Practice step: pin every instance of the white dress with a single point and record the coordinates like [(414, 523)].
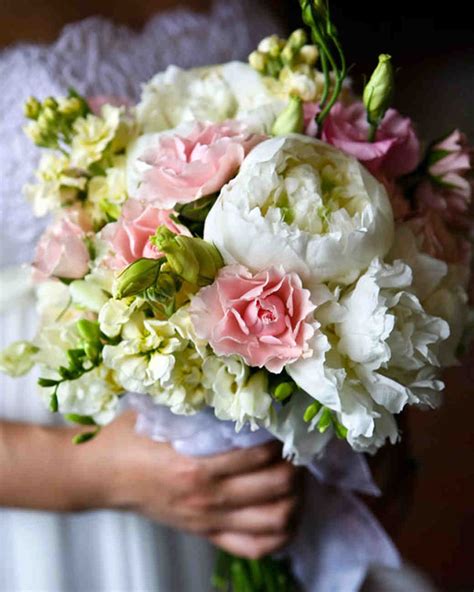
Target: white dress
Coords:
[(100, 551)]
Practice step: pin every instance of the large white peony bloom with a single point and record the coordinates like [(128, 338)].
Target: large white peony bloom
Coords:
[(214, 93), (302, 204), (380, 354)]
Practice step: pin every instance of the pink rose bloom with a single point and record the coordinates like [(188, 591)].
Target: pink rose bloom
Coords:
[(396, 150), (447, 189), (438, 241), (61, 252), (265, 318), (185, 168), (128, 238)]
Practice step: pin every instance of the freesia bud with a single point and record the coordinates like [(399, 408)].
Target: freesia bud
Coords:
[(378, 92), (258, 61), (308, 54), (192, 259), (50, 103), (137, 277), (32, 108), (271, 45), (295, 42), (291, 119)]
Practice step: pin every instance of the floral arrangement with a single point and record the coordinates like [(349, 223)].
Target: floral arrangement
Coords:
[(252, 239)]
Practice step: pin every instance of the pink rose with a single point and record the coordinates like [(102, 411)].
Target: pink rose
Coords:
[(128, 238), (396, 150), (438, 241), (61, 251), (265, 318), (447, 189), (185, 168)]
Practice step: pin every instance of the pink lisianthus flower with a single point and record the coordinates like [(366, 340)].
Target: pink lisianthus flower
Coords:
[(61, 251), (395, 151), (97, 102), (447, 189), (437, 240), (129, 237), (265, 318), (185, 168)]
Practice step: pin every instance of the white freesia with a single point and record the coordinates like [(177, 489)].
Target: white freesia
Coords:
[(213, 93), (94, 394), (154, 358), (235, 393), (303, 204), (58, 184), (107, 193)]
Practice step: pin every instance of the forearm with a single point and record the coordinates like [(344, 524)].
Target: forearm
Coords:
[(40, 468)]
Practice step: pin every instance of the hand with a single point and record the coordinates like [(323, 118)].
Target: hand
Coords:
[(244, 501)]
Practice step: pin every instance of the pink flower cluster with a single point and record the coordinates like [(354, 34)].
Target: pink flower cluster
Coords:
[(185, 168), (265, 318), (447, 189), (128, 238)]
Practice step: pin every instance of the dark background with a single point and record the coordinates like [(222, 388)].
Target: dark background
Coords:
[(432, 48)]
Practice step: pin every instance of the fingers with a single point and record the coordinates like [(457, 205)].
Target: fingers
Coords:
[(260, 487), (249, 546), (276, 517), (244, 460)]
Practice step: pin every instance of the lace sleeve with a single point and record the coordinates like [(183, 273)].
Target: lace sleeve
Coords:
[(97, 57)]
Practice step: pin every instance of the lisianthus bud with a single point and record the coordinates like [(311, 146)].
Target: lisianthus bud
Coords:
[(32, 108), (137, 277), (378, 91), (291, 119), (192, 259)]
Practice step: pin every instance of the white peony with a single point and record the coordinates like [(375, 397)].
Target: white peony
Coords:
[(379, 354), (235, 393), (212, 93), (303, 204)]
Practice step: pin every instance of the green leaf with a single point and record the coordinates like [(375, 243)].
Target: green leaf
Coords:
[(85, 437), (80, 419), (47, 382)]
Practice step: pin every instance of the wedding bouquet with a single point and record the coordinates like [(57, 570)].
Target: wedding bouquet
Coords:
[(252, 246)]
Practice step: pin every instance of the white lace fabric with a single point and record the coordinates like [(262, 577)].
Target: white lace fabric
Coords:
[(99, 57)]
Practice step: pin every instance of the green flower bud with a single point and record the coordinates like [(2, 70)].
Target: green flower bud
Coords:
[(18, 358), (192, 259), (258, 61), (88, 330), (378, 92), (311, 411), (271, 45), (295, 42), (50, 103), (32, 108), (137, 277), (308, 54), (291, 119), (71, 107)]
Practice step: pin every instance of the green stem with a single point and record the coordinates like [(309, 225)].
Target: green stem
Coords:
[(372, 132)]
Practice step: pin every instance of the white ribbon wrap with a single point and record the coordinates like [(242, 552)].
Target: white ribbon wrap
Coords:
[(338, 538)]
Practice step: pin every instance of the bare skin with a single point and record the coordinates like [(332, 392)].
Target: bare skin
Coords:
[(244, 501)]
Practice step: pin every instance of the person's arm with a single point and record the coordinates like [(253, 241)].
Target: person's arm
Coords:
[(244, 500)]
